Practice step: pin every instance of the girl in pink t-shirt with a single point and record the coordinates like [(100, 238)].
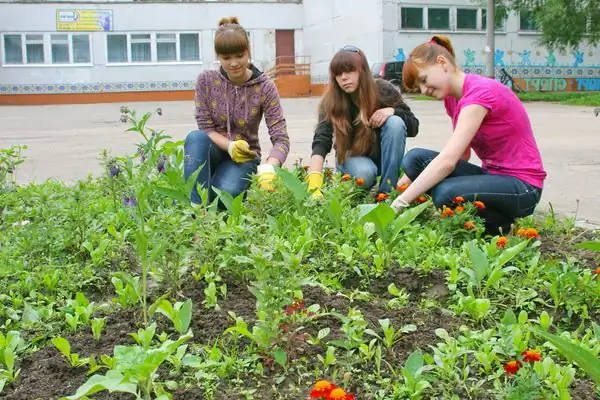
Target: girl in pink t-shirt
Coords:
[(488, 118)]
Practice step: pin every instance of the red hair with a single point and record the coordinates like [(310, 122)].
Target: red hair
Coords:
[(426, 54)]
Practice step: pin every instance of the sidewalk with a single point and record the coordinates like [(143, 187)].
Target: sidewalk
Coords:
[(65, 142)]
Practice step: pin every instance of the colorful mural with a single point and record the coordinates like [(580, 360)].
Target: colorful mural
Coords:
[(542, 71)]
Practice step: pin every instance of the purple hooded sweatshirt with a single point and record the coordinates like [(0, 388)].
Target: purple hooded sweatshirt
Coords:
[(236, 111)]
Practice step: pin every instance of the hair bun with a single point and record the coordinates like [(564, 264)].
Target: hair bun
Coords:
[(445, 42), (229, 20)]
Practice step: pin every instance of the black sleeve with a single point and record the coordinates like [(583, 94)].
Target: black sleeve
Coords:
[(412, 122), (323, 138)]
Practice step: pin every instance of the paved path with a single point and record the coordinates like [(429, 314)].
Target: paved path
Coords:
[(65, 142)]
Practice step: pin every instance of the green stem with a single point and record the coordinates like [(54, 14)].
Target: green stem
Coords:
[(143, 257)]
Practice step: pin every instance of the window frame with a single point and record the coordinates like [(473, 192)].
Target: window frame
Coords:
[(47, 50), (153, 48), (453, 19)]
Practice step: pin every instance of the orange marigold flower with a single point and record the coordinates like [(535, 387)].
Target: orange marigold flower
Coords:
[(502, 241), (402, 188), (479, 204), (512, 367), (459, 209), (469, 225), (421, 199), (521, 232), (346, 177), (382, 197), (532, 233), (458, 199), (322, 389), (360, 181), (340, 394), (531, 356), (447, 212), (306, 167), (597, 271)]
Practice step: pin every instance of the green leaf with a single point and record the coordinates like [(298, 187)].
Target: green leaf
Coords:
[(511, 252), (413, 364), (62, 345), (293, 183), (381, 215), (113, 381), (586, 360), (595, 246), (280, 357), (406, 218), (173, 194), (185, 316), (479, 260)]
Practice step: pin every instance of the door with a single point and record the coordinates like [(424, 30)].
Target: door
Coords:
[(285, 52)]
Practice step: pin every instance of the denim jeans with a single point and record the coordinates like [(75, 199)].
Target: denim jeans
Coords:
[(218, 169), (505, 197), (392, 143)]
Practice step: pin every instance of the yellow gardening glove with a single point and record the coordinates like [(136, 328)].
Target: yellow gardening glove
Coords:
[(266, 176), (240, 152), (315, 183)]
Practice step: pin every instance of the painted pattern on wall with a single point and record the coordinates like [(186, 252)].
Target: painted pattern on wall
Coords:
[(540, 70)]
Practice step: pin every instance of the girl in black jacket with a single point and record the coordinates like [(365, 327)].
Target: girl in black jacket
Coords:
[(368, 121)]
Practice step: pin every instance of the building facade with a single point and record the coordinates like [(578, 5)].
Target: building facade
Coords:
[(155, 49)]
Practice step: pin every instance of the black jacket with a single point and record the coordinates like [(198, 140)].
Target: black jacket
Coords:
[(387, 96)]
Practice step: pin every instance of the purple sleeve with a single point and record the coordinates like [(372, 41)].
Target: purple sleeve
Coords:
[(275, 122), (202, 105)]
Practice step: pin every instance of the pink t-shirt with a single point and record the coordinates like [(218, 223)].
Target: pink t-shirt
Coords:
[(505, 142)]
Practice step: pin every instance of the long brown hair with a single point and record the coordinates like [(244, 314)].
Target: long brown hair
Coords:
[(355, 136), (231, 37), (426, 54)]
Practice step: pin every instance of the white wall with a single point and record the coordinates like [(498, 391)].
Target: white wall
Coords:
[(330, 24), (149, 17)]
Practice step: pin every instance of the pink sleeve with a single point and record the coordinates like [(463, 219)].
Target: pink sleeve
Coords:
[(483, 96)]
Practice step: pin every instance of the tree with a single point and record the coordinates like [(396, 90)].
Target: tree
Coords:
[(563, 24)]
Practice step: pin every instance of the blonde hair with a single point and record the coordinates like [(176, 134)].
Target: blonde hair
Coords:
[(426, 54), (231, 37)]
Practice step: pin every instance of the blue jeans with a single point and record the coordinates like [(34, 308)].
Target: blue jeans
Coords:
[(392, 143), (218, 169), (505, 197)]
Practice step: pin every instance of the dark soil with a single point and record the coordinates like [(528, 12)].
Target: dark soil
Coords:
[(563, 246), (46, 375)]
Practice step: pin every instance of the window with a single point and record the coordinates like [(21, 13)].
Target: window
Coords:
[(152, 47), (189, 44), (46, 48), (411, 18), (13, 49), (499, 24), (81, 48), (439, 18), (166, 47), (60, 49), (527, 21), (466, 18), (116, 46), (34, 48), (141, 48)]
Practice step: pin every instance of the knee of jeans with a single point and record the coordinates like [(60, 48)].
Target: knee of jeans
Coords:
[(443, 194), (395, 127), (365, 169), (411, 161), (197, 138), (234, 188)]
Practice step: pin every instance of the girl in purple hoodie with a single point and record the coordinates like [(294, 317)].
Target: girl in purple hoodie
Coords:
[(229, 105)]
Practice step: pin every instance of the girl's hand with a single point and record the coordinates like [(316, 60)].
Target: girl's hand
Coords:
[(380, 116)]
